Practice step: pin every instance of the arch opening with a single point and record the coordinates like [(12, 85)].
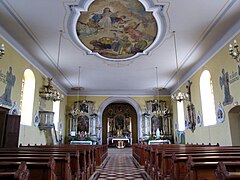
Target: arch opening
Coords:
[(234, 123), (136, 121)]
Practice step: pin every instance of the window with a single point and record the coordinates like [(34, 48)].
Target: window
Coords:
[(56, 109), (180, 112), (207, 99), (27, 97)]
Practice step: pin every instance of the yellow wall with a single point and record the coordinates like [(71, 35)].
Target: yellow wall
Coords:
[(219, 133), (28, 134)]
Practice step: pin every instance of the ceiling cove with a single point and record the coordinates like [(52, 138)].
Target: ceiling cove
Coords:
[(116, 30)]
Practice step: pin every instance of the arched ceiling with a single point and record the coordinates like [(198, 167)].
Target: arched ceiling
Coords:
[(202, 28)]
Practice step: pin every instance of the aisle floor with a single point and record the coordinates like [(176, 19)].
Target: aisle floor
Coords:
[(120, 165)]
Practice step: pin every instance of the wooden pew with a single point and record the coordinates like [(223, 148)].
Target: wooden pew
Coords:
[(67, 164), (178, 167), (100, 152), (82, 168), (87, 159), (38, 170), (59, 165), (159, 167), (204, 167), (222, 173), (22, 173)]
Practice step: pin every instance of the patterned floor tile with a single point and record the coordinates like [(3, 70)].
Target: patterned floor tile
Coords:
[(120, 166)]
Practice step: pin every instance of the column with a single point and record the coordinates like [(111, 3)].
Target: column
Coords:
[(146, 125), (94, 126)]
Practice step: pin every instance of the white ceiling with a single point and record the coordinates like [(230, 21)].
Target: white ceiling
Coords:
[(202, 28)]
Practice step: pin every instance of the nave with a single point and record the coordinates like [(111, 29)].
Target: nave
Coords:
[(120, 165)]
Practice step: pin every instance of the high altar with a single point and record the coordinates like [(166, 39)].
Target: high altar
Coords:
[(119, 125)]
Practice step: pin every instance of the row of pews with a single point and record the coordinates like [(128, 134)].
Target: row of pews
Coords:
[(189, 161), (54, 162)]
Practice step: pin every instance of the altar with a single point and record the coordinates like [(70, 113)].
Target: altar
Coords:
[(160, 141), (120, 142), (82, 142)]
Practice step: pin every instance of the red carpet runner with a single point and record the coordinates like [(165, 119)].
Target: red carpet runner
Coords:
[(120, 165)]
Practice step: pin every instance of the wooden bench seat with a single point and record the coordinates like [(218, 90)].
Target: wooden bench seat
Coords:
[(225, 170), (61, 164), (207, 169), (87, 156), (20, 173), (67, 164), (37, 170), (80, 163), (158, 158), (179, 161)]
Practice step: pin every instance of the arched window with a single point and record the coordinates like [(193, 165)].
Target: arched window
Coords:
[(27, 97), (56, 109), (180, 112), (207, 99)]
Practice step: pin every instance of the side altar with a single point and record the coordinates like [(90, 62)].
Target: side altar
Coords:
[(83, 124)]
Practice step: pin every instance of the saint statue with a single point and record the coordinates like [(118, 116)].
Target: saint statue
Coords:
[(10, 80), (224, 82)]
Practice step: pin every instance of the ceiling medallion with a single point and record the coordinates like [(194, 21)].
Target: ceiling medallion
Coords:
[(118, 30)]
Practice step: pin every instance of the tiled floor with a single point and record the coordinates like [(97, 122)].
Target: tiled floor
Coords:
[(120, 165)]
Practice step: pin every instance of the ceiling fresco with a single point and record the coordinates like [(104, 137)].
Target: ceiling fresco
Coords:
[(116, 30)]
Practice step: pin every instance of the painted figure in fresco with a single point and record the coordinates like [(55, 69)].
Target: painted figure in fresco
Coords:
[(132, 30), (224, 82), (106, 19), (10, 79), (106, 22), (116, 45)]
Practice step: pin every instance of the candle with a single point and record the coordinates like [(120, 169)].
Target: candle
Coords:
[(130, 125)]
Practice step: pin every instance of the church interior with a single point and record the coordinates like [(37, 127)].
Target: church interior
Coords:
[(133, 89)]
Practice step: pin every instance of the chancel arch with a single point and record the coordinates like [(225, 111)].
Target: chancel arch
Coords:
[(134, 109)]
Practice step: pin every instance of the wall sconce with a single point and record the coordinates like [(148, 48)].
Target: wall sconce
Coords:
[(234, 51), (49, 93), (190, 109), (2, 51)]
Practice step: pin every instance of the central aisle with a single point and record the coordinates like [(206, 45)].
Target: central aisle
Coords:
[(120, 165)]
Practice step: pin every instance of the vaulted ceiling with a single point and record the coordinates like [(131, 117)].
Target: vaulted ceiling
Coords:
[(202, 27)]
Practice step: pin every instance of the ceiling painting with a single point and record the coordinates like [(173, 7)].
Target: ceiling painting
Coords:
[(117, 30)]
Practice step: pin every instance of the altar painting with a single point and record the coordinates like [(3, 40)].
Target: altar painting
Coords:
[(116, 29)]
